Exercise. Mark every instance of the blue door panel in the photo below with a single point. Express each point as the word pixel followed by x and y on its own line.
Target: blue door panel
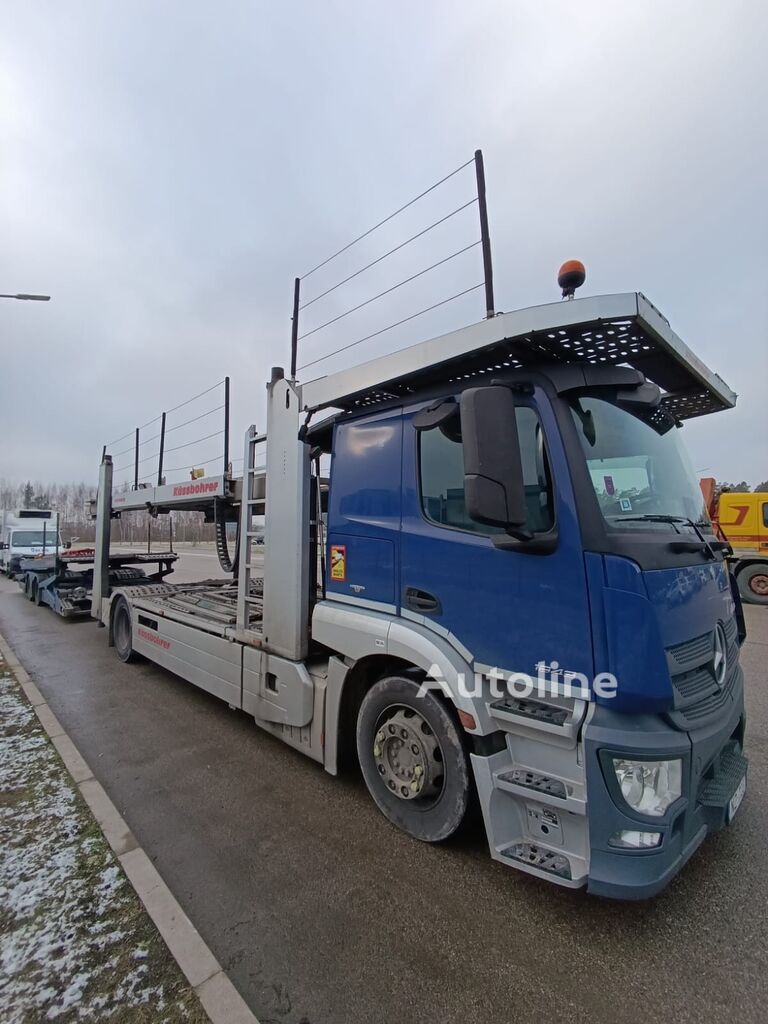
pixel 368 567
pixel 364 508
pixel 511 610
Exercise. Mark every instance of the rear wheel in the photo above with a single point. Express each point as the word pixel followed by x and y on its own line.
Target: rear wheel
pixel 753 583
pixel 122 631
pixel 37 594
pixel 413 759
pixel 30 586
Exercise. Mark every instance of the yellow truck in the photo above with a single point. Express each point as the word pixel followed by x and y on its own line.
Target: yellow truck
pixel 741 518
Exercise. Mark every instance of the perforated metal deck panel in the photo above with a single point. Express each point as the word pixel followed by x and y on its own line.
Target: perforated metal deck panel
pixel 210 604
pixel 603 330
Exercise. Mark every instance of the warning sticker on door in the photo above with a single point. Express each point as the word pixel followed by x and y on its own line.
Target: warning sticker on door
pixel 338 561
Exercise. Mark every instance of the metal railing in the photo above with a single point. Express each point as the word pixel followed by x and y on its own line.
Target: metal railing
pixel 164 444
pixel 483 242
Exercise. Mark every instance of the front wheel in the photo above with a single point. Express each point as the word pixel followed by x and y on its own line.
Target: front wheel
pixel 753 583
pixel 122 631
pixel 413 759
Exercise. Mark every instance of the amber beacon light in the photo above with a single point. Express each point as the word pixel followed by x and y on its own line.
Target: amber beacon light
pixel 571 276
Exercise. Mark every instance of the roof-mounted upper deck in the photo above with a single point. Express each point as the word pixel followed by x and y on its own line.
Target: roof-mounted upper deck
pixel 605 329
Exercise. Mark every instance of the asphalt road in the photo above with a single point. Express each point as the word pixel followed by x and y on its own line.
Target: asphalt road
pixel 324 914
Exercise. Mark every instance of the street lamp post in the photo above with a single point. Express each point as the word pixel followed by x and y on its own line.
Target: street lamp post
pixel 24 296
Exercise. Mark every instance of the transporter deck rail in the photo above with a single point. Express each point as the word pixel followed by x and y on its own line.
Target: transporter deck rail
pixel 64 581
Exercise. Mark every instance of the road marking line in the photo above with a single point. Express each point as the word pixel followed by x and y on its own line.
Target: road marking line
pixel 218 996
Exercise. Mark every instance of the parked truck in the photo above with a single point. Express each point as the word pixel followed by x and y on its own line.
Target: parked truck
pixel 741 519
pixel 25 532
pixel 521 603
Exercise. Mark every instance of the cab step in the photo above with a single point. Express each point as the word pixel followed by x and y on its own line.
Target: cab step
pixel 558 720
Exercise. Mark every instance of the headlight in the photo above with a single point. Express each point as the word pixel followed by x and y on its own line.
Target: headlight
pixel 649 787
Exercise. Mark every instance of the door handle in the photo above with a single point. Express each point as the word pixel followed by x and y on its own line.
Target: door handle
pixel 422 601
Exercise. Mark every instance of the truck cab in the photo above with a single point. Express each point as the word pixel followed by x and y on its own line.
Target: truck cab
pixel 543 531
pixel 25 534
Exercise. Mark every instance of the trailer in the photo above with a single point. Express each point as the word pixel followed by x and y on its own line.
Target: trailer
pixel 63 581
pixel 521 601
pixel 741 519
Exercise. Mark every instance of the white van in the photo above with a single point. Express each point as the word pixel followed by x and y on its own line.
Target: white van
pixel 25 532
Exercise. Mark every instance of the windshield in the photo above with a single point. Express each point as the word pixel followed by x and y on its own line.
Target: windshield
pixel 33 538
pixel 636 472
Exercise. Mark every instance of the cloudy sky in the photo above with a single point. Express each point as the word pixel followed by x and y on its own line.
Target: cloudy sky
pixel 167 169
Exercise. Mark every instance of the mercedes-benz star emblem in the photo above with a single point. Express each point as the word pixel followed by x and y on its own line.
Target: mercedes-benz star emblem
pixel 720 660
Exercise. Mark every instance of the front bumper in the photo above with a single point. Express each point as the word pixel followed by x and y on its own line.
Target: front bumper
pixel 713 767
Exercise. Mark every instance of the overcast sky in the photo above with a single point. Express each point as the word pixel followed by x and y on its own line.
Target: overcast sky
pixel 167 169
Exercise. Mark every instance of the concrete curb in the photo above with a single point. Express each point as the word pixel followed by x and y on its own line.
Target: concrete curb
pixel 218 996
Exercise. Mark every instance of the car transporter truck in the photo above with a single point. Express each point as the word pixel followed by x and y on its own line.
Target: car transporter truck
pixel 505 589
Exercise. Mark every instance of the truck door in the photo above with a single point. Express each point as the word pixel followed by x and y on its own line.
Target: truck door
pixel 364 511
pixel 509 609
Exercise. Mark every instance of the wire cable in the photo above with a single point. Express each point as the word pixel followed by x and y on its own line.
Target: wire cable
pixel 195 397
pixel 168 412
pixel 197 440
pixel 388 290
pixel 119 439
pixel 391 251
pixel 386 219
pixel 194 419
pixel 155 455
pixel 195 465
pixel 375 334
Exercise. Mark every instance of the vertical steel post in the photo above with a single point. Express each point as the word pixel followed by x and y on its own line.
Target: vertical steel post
pixel 162 452
pixel 100 587
pixel 295 326
pixel 44 536
pixel 226 425
pixel 485 237
pixel 136 463
pixel 57 542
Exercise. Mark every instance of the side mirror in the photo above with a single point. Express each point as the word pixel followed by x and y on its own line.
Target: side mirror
pixel 494 490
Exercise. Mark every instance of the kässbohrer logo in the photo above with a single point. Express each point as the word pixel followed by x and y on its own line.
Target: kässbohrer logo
pixel 205 487
pixel 153 638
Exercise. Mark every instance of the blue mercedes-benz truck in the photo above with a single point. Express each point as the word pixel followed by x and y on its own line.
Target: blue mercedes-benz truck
pixel 522 602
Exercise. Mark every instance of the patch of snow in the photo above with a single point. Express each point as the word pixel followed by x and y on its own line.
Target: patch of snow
pixel 70 939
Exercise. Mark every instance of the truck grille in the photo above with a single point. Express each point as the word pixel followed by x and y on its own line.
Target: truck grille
pixel 697 694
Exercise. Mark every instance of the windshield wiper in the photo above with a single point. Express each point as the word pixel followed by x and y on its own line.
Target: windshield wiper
pixel 654 517
pixel 705 546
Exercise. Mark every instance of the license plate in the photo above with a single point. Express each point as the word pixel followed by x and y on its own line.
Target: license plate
pixel 738 796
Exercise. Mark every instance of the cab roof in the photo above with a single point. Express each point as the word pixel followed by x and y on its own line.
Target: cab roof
pixel 620 329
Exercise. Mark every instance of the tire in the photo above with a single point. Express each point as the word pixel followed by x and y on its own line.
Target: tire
pixel 29 587
pixel 399 733
pixel 122 631
pixel 753 583
pixel 37 594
